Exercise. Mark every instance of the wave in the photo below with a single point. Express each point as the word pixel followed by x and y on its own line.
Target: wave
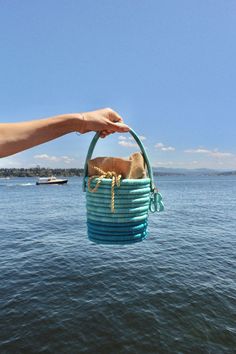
pixel 16 184
pixel 25 184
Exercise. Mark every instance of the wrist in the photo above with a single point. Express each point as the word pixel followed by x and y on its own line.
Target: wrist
pixel 82 122
pixel 75 122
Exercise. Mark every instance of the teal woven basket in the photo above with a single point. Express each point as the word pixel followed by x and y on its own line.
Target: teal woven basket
pixel 134 198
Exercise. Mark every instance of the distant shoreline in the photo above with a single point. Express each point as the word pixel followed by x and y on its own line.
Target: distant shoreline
pixel 40 172
pixel 71 172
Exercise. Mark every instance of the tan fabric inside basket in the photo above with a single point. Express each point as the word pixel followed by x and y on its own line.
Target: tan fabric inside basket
pixel 132 167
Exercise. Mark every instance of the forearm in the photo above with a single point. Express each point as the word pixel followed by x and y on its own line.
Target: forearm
pixel 16 137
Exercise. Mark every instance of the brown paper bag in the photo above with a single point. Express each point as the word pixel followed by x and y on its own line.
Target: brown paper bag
pixel 132 167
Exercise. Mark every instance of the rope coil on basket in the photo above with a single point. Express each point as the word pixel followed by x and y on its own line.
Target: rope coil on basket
pixel 115 182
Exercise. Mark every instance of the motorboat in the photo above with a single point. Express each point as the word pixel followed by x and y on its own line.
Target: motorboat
pixel 50 180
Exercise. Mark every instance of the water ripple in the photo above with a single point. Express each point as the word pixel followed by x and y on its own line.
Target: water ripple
pixel 173 293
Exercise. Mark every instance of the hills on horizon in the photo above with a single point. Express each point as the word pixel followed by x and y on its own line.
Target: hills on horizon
pixel 188 171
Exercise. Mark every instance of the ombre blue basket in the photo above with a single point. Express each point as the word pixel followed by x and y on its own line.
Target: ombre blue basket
pixel 134 198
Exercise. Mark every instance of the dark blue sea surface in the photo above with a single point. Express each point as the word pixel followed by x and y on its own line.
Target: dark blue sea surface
pixel 172 293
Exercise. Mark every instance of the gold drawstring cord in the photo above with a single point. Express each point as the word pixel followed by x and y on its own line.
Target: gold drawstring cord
pixel 115 182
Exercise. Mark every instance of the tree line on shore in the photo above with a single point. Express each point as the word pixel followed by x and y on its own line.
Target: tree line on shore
pixel 40 172
pixel 70 172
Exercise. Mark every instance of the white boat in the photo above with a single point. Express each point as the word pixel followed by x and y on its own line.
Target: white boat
pixel 51 180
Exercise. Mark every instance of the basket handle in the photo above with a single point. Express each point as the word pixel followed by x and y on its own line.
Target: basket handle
pixel 141 146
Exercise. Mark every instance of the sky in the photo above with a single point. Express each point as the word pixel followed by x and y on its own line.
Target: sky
pixel 168 67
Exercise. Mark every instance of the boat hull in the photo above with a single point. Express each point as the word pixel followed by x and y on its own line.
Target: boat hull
pixel 64 181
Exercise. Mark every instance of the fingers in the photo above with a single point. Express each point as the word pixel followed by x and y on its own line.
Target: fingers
pixel 119 127
pixel 105 133
pixel 116 118
pixel 113 116
pixel 116 127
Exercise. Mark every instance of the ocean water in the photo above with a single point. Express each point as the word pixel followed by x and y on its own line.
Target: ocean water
pixel 172 293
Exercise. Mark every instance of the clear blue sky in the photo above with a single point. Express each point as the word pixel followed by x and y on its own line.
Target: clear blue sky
pixel 168 67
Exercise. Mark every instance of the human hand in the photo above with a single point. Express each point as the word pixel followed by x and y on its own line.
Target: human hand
pixel 104 120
